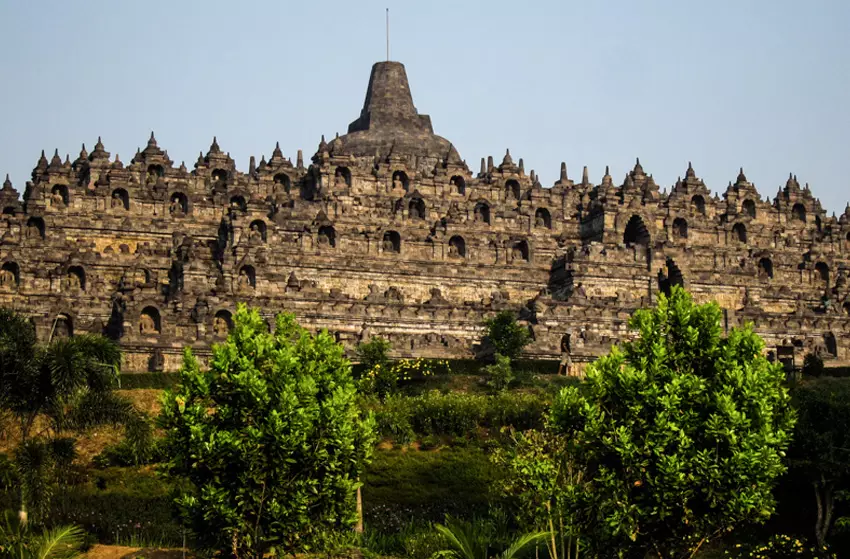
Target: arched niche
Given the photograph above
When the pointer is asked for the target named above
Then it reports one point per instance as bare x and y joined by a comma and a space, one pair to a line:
63, 327
258, 230
416, 208
238, 203
830, 343
798, 212
765, 268
120, 199
154, 172
822, 273
342, 177
9, 210
636, 232
219, 177
124, 248
10, 276
748, 207
698, 204
458, 184
59, 195
222, 323
391, 242
680, 228
400, 180
482, 212
739, 233
76, 278
282, 182
179, 205
542, 218
327, 236
519, 251
457, 247
35, 227
512, 189
670, 279
150, 321
247, 277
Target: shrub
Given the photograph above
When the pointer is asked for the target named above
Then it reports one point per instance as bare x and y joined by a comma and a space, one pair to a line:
779, 546
813, 365
374, 352
500, 375
270, 439
506, 335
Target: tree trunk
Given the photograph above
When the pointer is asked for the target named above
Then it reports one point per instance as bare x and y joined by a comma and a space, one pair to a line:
825, 504
358, 528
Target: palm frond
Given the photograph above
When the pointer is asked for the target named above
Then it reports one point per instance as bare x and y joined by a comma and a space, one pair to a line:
522, 543
60, 543
467, 540
93, 409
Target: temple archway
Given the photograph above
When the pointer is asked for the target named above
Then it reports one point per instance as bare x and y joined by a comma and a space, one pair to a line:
766, 268
416, 208
739, 232
822, 273
247, 277
458, 184
257, 230
76, 278
63, 327
35, 227
457, 247
749, 208
680, 228
542, 218
10, 276
519, 251
342, 177
222, 323
636, 232
698, 204
391, 242
179, 204
150, 322
120, 199
238, 203
282, 182
327, 236
798, 211
482, 212
59, 195
400, 180
512, 189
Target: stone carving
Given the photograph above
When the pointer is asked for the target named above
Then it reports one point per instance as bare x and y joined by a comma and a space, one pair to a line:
419, 224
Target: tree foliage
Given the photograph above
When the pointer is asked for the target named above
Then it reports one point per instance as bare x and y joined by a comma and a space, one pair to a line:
19, 541
821, 448
270, 439
54, 389
506, 335
680, 434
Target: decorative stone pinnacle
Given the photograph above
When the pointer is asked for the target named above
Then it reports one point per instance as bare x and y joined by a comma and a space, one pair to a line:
690, 173
564, 171
152, 141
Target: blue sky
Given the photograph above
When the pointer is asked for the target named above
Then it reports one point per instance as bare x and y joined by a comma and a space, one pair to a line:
758, 83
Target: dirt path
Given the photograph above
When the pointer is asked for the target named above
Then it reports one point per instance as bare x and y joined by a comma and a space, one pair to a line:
122, 552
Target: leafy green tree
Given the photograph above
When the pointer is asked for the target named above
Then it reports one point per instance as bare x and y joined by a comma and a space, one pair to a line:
53, 390
270, 438
680, 435
821, 448
506, 335
472, 541
813, 365
500, 375
374, 352
19, 541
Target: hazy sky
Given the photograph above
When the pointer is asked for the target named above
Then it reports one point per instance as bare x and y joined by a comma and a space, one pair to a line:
759, 83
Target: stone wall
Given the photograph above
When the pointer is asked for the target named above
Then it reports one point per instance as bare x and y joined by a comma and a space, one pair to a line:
386, 231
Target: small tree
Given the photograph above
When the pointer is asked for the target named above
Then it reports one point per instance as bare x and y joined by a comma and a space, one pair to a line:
821, 448
506, 335
680, 434
813, 365
270, 438
374, 352
500, 375
52, 390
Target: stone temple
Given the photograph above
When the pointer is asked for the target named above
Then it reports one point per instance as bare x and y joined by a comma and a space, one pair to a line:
387, 232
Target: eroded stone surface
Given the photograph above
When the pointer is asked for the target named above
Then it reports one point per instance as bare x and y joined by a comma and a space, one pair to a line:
387, 232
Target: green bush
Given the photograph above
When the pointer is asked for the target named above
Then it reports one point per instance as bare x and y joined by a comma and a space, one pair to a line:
374, 352
500, 375
813, 365
455, 414
506, 335
780, 546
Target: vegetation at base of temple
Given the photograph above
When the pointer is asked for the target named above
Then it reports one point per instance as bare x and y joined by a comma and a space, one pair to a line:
270, 438
672, 439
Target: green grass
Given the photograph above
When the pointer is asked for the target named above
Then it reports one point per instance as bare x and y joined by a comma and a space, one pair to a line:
404, 486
